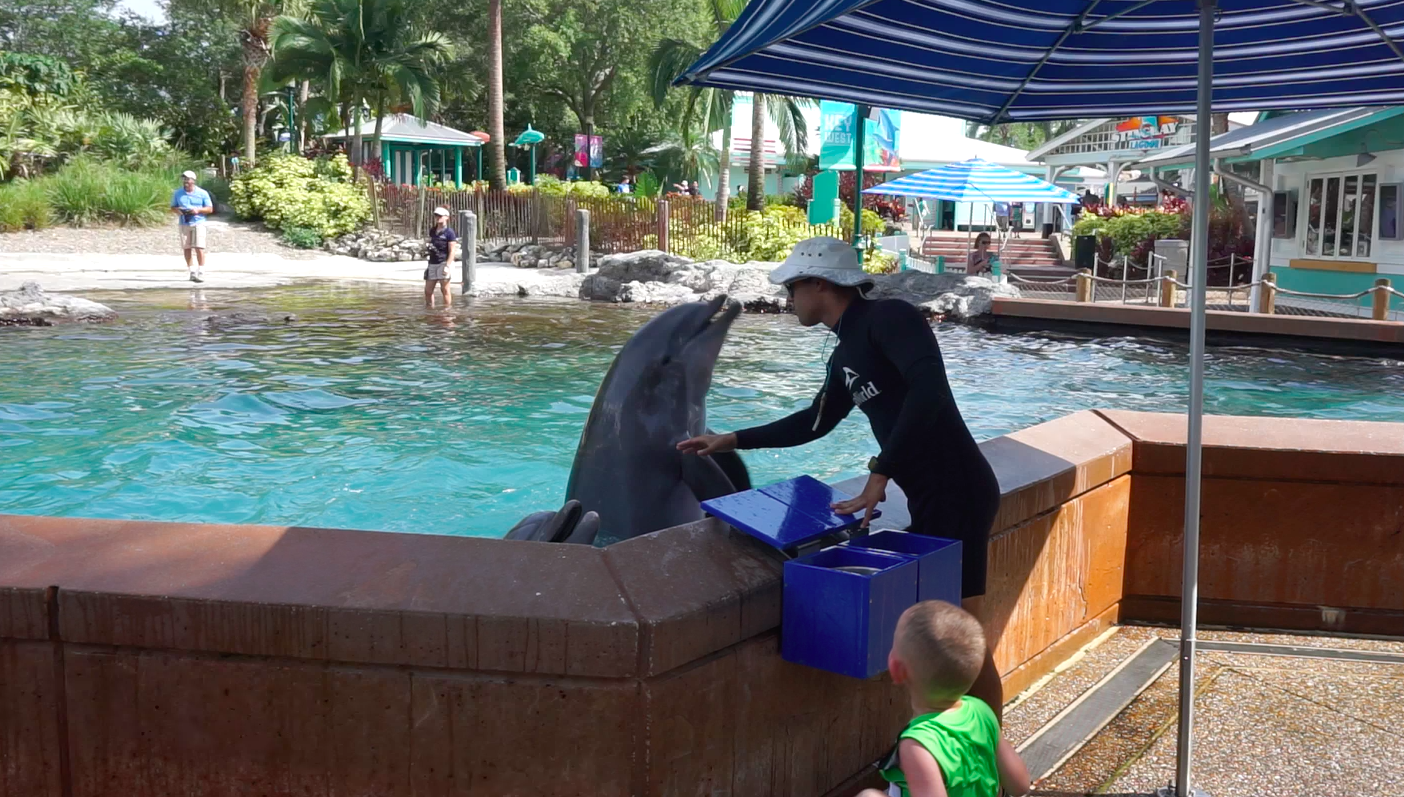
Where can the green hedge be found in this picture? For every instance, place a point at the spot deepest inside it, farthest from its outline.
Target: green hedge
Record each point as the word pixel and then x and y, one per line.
pixel 290 191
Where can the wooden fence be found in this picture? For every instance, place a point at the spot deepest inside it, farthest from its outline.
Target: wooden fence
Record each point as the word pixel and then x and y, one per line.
pixel 678 224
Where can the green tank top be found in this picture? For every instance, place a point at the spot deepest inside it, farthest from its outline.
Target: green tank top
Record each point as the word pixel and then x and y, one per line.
pixel 963 742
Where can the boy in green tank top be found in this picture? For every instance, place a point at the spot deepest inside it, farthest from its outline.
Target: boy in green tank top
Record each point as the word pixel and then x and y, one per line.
pixel 952 747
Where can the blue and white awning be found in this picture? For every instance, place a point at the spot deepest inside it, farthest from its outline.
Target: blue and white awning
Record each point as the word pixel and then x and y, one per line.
pixel 975 180
pixel 1022 60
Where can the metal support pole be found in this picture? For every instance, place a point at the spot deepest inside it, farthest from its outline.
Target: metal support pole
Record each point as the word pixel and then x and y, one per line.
pixel 860 127
pixel 582 241
pixel 1194 438
pixel 663 225
pixel 1262 238
pixel 468 245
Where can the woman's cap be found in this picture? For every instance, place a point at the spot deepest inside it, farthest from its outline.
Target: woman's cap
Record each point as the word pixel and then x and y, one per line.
pixel 824 258
pixel 441 211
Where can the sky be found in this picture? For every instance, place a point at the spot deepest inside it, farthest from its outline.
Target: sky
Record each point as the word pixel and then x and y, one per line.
pixel 151 9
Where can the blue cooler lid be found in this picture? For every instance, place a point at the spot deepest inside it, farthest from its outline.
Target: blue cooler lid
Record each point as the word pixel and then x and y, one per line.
pixel 786 514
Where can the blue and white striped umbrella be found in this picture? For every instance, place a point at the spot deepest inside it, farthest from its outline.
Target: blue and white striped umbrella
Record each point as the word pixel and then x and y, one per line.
pixel 998 61
pixel 975 180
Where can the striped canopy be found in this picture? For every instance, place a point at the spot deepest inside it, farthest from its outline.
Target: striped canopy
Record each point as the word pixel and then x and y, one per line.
pixel 975 180
pixel 997 61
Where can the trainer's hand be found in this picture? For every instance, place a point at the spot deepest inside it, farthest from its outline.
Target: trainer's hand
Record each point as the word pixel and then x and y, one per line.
pixel 874 493
pixel 707 444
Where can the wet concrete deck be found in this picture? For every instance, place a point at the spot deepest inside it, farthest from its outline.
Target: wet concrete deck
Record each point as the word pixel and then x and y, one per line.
pixel 1265 724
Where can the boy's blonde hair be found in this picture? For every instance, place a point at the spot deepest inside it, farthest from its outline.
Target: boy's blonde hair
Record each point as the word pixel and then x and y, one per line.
pixel 944 647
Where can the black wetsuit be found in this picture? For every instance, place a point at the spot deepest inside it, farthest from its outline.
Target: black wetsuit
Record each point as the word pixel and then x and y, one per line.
pixel 888 364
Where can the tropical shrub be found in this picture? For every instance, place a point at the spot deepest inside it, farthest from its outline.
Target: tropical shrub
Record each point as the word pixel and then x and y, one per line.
pixel 554 186
pixel 646 185
pixel 766 235
pixel 288 191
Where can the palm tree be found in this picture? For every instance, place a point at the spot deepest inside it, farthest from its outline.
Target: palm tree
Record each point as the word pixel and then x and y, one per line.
pixel 794 135
pixel 712 107
pixel 254 18
pixel 361 50
pixel 497 176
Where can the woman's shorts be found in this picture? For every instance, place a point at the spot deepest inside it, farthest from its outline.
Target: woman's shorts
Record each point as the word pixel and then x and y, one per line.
pixel 436 271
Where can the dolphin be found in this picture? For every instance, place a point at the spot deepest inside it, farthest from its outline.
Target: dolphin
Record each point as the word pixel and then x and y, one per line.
pixel 628 473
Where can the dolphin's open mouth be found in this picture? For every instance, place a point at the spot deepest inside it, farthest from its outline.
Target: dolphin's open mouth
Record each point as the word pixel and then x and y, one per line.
pixel 722 312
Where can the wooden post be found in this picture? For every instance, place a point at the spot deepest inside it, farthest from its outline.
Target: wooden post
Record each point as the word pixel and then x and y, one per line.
pixel 1267 294
pixel 582 241
pixel 1167 288
pixel 468 247
pixel 1084 285
pixel 1381 299
pixel 663 225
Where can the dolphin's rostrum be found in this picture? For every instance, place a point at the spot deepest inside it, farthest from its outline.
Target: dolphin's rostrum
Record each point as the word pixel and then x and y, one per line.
pixel 629 478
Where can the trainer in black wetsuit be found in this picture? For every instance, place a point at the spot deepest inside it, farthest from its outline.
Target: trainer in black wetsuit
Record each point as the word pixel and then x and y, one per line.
pixel 889 365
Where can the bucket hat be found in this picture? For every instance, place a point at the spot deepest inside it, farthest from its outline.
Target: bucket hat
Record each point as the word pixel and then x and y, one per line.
pixel 824 258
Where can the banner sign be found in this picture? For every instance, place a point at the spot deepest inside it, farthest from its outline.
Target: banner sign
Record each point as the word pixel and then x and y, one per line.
pixel 1145 132
pixel 836 122
pixel 589 151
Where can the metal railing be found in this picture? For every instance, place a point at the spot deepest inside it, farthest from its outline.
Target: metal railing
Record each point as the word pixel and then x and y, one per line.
pixel 1168 291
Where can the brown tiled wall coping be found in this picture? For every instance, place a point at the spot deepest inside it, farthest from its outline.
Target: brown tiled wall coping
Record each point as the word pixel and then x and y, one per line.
pixel 158 658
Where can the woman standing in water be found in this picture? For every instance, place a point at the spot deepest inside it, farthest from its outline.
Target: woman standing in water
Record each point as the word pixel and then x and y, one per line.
pixel 443 248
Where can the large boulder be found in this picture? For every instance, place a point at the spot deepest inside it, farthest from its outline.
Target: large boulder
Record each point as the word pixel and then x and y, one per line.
pixel 31 305
pixel 954 296
pixel 656 277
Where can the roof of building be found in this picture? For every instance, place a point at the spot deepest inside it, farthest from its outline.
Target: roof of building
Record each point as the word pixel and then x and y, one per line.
pixel 1261 139
pixel 409 129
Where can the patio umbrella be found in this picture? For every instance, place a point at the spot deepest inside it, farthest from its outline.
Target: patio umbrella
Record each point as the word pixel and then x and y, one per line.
pixel 998 61
pixel 975 180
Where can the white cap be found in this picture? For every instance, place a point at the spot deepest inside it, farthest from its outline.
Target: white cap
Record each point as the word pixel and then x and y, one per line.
pixel 188 175
pixel 441 211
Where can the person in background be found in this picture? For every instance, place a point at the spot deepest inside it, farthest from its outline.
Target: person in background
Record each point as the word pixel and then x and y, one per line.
pixel 192 203
pixel 1001 210
pixel 624 184
pixel 443 248
pixel 953 746
pixel 695 190
pixel 979 259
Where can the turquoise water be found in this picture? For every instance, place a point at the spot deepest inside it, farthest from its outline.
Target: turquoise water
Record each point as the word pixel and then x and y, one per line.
pixel 367 412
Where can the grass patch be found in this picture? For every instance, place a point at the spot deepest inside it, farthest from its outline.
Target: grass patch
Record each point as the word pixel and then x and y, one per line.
pixel 87 192
pixel 302 237
pixel 24 205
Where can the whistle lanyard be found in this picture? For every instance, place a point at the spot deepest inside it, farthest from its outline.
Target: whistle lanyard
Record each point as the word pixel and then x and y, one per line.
pixel 828 372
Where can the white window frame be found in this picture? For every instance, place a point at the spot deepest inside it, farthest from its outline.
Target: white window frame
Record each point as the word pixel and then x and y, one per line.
pixel 1304 214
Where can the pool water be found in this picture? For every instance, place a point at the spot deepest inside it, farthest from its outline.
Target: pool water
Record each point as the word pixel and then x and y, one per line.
pixel 369 412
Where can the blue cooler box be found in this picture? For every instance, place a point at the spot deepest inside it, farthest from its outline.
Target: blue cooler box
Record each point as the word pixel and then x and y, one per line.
pixel 938 561
pixel 835 619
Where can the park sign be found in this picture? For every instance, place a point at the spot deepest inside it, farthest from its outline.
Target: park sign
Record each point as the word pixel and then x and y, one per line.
pixel 836 138
pixel 1145 132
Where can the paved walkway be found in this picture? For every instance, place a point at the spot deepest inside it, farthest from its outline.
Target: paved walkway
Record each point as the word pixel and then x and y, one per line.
pixel 68 273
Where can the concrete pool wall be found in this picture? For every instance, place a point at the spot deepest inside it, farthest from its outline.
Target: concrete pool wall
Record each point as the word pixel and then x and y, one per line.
pixel 161 658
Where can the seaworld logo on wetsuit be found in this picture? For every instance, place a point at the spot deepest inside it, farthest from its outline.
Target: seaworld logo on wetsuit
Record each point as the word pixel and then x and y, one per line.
pixel 863 393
